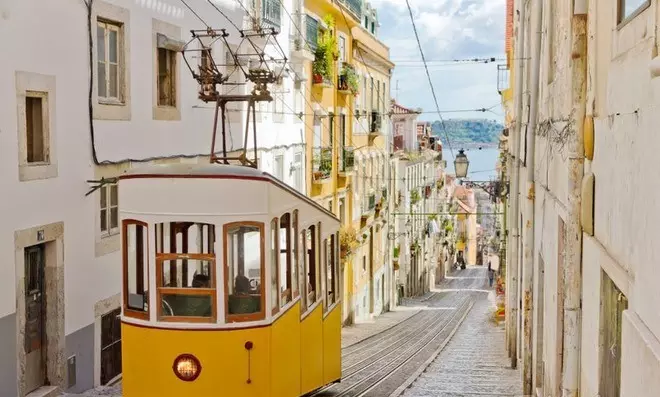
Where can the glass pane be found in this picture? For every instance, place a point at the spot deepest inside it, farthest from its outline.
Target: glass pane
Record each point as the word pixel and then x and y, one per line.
pixel 187 305
pixel 244 258
pixel 186 273
pixel 113 194
pixel 294 254
pixel 104 220
pixel 103 196
pixel 113 81
pixel 101 80
pixel 100 43
pixel 113 48
pixel 274 265
pixel 114 217
pixel 136 268
pixel 185 238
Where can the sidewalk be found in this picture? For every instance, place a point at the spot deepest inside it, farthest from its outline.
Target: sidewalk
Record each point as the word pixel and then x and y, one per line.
pixel 349 336
pixel 474 362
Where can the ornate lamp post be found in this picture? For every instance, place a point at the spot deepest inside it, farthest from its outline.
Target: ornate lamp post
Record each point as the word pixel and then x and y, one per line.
pixel 461 164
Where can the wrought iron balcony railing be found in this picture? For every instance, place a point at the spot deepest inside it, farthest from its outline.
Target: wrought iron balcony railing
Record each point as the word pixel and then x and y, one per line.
pixel 354 7
pixel 347 159
pixel 321 163
pixel 271 12
pixel 311 32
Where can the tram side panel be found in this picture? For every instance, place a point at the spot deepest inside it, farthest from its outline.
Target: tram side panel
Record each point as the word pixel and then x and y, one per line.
pixel 311 350
pixel 285 354
pixel 228 368
pixel 332 345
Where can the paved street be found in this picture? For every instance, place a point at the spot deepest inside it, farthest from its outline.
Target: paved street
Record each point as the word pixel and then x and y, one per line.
pixel 441 344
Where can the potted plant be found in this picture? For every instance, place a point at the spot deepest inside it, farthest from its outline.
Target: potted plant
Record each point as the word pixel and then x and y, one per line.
pixel 347 242
pixel 414 196
pixel 395 257
pixel 326 51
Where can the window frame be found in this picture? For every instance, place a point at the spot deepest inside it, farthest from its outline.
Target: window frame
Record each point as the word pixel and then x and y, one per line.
pixel 274 265
pixel 295 256
pixel 43 97
pixel 128 312
pixel 260 315
pixel 118 27
pixel 106 190
pixel 622 19
pixel 211 291
pixel 287 250
pixel 172 64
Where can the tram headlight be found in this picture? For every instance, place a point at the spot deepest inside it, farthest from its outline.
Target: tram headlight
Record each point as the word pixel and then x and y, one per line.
pixel 187 367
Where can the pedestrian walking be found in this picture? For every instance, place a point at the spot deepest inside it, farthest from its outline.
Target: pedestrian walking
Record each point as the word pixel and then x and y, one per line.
pixel 491 274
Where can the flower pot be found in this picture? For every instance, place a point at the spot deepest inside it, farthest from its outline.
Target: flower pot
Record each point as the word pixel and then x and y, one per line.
pixel 317 79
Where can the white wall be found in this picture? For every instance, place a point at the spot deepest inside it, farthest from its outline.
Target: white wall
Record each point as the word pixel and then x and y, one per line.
pixel 59 49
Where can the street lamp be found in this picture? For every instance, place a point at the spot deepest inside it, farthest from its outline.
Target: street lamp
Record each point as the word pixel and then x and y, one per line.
pixel 461 164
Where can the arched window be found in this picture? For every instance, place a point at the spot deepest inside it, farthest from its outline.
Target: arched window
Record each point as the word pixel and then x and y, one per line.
pixel 244 271
pixel 295 255
pixel 311 264
pixel 135 252
pixel 185 272
pixel 286 262
pixel 274 266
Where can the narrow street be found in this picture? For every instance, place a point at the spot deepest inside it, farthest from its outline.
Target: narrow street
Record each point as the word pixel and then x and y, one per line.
pixel 440 344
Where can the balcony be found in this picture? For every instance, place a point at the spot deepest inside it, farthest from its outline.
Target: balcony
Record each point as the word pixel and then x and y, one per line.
pixel 311 32
pixel 321 164
pixel 271 14
pixel 346 161
pixel 375 123
pixel 368 204
pixel 354 7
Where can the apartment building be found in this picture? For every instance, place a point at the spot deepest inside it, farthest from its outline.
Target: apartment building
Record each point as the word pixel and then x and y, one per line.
pixel 581 240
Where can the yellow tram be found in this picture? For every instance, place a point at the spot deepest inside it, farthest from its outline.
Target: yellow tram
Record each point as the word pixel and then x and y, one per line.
pixel 230 285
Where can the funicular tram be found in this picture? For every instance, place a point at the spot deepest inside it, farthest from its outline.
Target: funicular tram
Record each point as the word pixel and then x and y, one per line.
pixel 230 285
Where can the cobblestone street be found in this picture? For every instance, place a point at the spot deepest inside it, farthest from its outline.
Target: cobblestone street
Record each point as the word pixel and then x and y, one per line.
pixel 440 344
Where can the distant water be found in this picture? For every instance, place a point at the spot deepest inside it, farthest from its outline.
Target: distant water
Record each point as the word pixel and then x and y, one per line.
pixel 482 162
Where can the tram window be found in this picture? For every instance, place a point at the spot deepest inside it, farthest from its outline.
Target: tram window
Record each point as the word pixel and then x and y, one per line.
pixel 185 237
pixel 302 240
pixel 274 265
pixel 295 250
pixel 310 265
pixel 320 271
pixel 330 270
pixel 244 271
pixel 336 265
pixel 285 259
pixel 136 269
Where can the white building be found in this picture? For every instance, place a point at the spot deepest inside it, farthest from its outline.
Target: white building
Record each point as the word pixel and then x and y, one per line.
pixel 587 256
pixel 60 250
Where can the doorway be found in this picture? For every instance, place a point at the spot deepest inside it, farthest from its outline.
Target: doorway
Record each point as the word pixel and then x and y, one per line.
pixel 35 318
pixel 110 346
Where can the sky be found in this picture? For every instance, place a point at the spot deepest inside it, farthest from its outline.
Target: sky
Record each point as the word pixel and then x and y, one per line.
pixel 448 30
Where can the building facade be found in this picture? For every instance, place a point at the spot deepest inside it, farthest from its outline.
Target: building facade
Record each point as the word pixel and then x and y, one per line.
pixel 587 323
pixel 72 133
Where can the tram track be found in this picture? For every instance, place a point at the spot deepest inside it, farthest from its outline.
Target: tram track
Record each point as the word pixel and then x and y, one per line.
pixel 362 377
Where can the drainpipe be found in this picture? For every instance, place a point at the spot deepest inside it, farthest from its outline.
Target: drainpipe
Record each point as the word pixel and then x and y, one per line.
pixel 573 264
pixel 512 281
pixel 528 243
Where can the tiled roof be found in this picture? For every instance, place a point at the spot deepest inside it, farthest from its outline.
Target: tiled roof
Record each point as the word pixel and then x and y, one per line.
pixel 398 109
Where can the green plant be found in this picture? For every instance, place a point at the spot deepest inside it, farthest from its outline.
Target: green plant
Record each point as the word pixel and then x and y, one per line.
pixel 395 254
pixel 347 242
pixel 326 50
pixel 414 196
pixel 350 78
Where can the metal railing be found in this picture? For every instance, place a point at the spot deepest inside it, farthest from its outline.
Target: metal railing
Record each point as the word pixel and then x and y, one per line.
pixel 354 7
pixel 311 32
pixel 321 163
pixel 347 159
pixel 271 12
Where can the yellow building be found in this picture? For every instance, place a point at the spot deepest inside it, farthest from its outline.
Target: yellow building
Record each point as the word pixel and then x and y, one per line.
pixel 345 107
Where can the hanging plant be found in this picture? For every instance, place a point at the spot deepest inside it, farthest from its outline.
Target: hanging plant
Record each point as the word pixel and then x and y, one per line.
pixel 395 253
pixel 347 242
pixel 414 196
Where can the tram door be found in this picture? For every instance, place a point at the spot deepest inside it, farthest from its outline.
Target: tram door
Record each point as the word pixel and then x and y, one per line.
pixel 35 312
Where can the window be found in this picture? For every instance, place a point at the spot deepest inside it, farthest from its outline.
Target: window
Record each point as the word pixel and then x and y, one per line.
pixel 278 103
pixel 298 173
pixel 311 245
pixel 244 271
pixel 185 271
pixel 331 270
pixel 109 215
pixel 166 77
pixel 629 8
pixel 342 49
pixel 136 269
pixel 302 272
pixel 342 209
pixel 286 272
pixel 295 266
pixel 278 166
pixel 108 35
pixel 274 266
pixel 36 129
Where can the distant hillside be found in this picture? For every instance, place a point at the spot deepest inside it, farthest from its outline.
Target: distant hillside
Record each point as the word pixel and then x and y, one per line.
pixel 469 131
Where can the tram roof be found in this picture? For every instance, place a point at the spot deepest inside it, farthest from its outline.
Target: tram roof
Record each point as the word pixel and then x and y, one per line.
pixel 215 171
